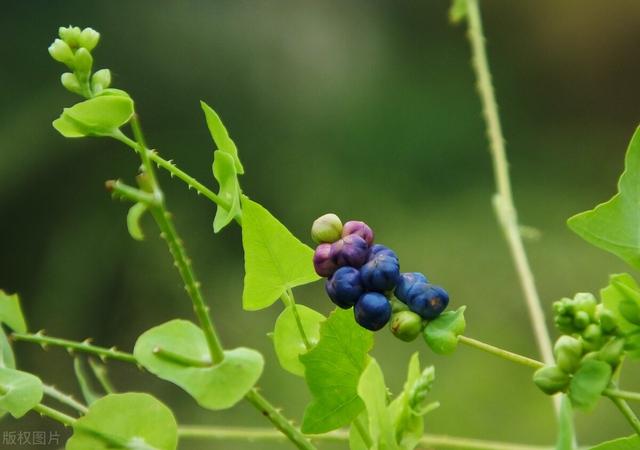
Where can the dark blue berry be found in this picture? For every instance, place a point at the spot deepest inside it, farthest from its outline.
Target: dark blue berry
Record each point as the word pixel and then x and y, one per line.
pixel 405 282
pixel 427 300
pixel 351 251
pixel 372 311
pixel 345 287
pixel 380 273
pixel 379 249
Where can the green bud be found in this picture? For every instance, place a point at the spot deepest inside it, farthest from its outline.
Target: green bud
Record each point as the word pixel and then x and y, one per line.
pixel 589 356
pixel 83 62
pixel 326 228
pixel 608 321
pixel 61 52
pixel 586 302
pixel 581 320
pixel 406 325
pixel 419 391
pixel 71 83
pixel 100 80
pixel 551 379
pixel 568 351
pixel 592 333
pixel 611 352
pixel 71 35
pixel 89 38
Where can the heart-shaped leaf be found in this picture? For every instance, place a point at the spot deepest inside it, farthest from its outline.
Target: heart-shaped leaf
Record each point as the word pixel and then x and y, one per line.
pixel 98 116
pixel 332 371
pixel 588 383
pixel 19 392
pixel 224 171
pixel 11 312
pixel 214 387
pixel 287 340
pixel 613 226
pixel 274 259
pixel 221 136
pixel 624 443
pixel 442 333
pixel 133 421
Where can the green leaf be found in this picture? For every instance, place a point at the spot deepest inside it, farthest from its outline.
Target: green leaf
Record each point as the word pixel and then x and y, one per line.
pixel 625 443
pixel 588 383
pixel 332 371
pixel 408 425
pixel 132 421
pixel 442 333
pixel 98 116
pixel 224 171
pixel 287 340
pixel 133 220
pixel 89 394
pixel 622 294
pixel 355 439
pixel 373 391
pixel 11 312
pixel 221 136
pixel 7 359
pixel 274 259
pixel 613 226
pixel 19 392
pixel 458 11
pixel 214 387
pixel 566 433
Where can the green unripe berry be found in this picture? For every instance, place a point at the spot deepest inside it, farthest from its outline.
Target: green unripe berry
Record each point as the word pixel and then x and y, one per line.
pixel 406 325
pixel 586 302
pixel 88 38
pixel 100 80
pixel 71 83
pixel 589 356
pixel 326 228
pixel 592 333
pixel 611 352
pixel 568 351
pixel 551 379
pixel 61 52
pixel 581 319
pixel 71 35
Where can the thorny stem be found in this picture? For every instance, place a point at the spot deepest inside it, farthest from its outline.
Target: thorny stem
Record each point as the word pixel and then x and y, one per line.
pixel 503 199
pixel 63 398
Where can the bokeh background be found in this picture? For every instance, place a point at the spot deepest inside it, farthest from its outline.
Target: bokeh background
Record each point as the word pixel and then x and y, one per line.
pixel 364 108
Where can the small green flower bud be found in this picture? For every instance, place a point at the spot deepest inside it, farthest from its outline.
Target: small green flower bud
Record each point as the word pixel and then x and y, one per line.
pixel 89 38
pixel 568 351
pixel 551 379
pixel 71 83
pixel 71 35
pixel 586 302
pixel 61 52
pixel 420 390
pixel 608 322
pixel 83 62
pixel 100 80
pixel 581 320
pixel 592 333
pixel 406 325
pixel 589 356
pixel 326 228
pixel 611 352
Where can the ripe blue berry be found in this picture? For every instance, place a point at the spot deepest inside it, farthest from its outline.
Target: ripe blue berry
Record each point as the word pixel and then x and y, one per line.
pixel 345 287
pixel 405 282
pixel 351 251
pixel 372 311
pixel 427 300
pixel 380 273
pixel 358 228
pixel 323 263
pixel 379 249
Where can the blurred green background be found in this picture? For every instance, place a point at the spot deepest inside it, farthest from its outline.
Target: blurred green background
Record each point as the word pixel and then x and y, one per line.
pixel 364 108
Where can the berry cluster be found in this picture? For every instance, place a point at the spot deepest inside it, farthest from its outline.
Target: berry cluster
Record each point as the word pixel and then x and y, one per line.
pixel 365 276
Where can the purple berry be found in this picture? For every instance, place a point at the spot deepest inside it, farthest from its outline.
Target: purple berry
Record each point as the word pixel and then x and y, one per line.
pixel 345 287
pixel 405 282
pixel 372 311
pixel 358 228
pixel 351 251
pixel 322 262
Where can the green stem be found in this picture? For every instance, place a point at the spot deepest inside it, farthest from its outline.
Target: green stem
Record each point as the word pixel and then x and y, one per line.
pixel 102 376
pixel 54 414
pixel 71 346
pixel 123 190
pixel 504 354
pixel 363 432
pixel 180 359
pixel 625 395
pixel 279 421
pixel 65 399
pixel 627 412
pixel 289 300
pixel 503 200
